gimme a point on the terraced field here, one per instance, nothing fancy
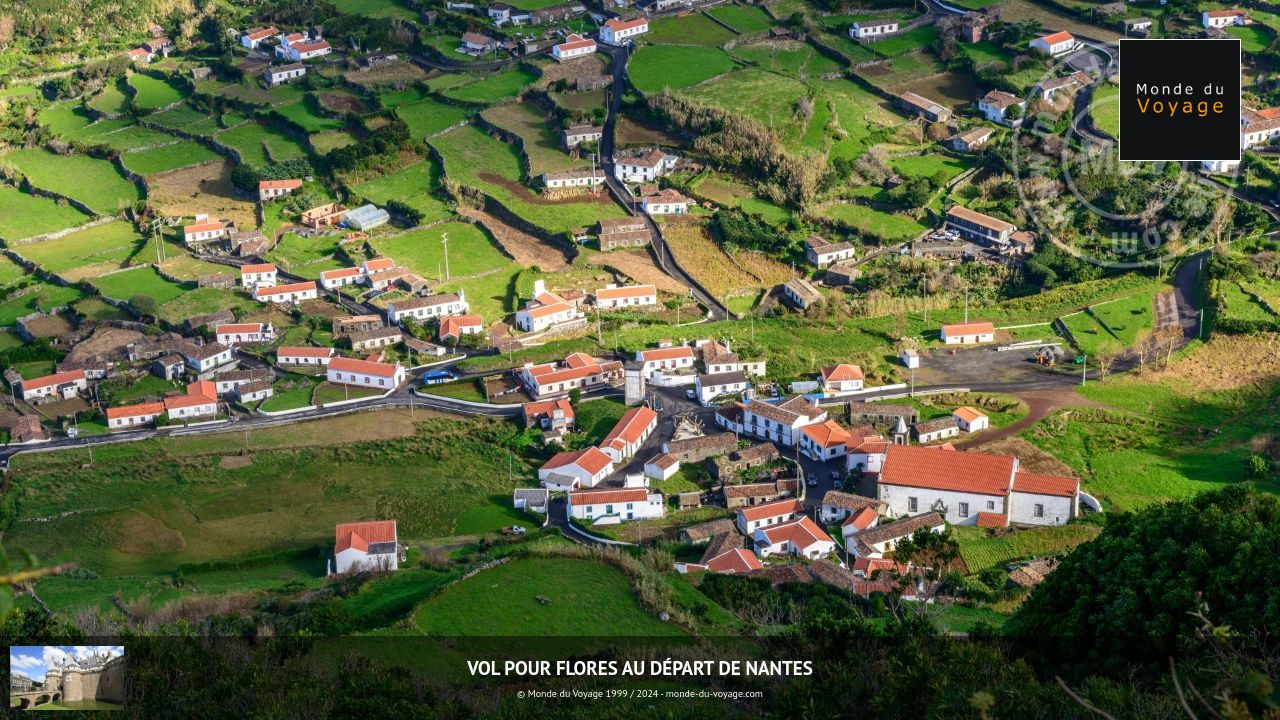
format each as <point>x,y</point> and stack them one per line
<point>96,183</point>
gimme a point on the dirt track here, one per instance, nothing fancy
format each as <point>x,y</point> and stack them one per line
<point>527,250</point>
<point>1041,404</point>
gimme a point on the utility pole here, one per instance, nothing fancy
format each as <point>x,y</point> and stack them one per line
<point>444,240</point>
<point>966,305</point>
<point>1084,369</point>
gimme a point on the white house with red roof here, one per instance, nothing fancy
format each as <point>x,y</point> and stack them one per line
<point>619,32</point>
<point>334,279</point>
<point>291,293</point>
<point>456,326</point>
<point>736,560</point>
<point>300,46</point>
<point>365,546</point>
<point>969,488</point>
<point>1055,43</point>
<point>256,275</point>
<point>881,538</point>
<point>574,46</point>
<point>545,310</point>
<point>969,333</point>
<point>749,519</point>
<point>555,414</point>
<point>864,452</point>
<point>665,202</point>
<point>303,356</point>
<point>243,333</point>
<point>838,506</point>
<point>636,425</point>
<point>610,506</point>
<point>662,466</point>
<point>571,470</point>
<point>824,441</point>
<point>578,371</point>
<point>800,537</point>
<point>364,373</point>
<point>645,167</point>
<point>1224,18</point>
<point>614,297</point>
<point>60,386</point>
<point>841,378</point>
<point>664,359</point>
<point>253,36</point>
<point>206,230</point>
<point>140,54</point>
<point>272,189</point>
<point>127,416</point>
<point>971,419</point>
<point>201,400</point>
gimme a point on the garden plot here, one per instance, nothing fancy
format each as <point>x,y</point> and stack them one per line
<point>988,56</point>
<point>187,119</point>
<point>129,137</point>
<point>167,157</point>
<point>142,280</point>
<point>949,88</point>
<point>745,19</point>
<point>726,192</point>
<point>307,256</point>
<point>672,67</point>
<point>306,115</point>
<point>722,274</point>
<point>474,159</point>
<point>151,93</point>
<point>111,100</point>
<point>24,216</point>
<point>493,88</point>
<point>581,102</point>
<point>326,142</point>
<point>94,182</point>
<point>202,189</point>
<point>85,253</point>
<point>259,145</point>
<point>45,298</point>
<point>430,116</point>
<point>541,140</point>
<point>65,119</point>
<point>416,185</point>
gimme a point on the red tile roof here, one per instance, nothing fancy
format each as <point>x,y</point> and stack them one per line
<point>279,184</point>
<point>1026,482</point>
<point>617,25</point>
<point>841,373</point>
<point>626,291</point>
<point>826,434</point>
<point>203,227</point>
<point>545,407</point>
<point>364,367</point>
<point>360,535</point>
<point>773,509</point>
<point>284,289</point>
<point>453,324</point>
<point>992,520</point>
<point>602,497</point>
<point>973,328</point>
<point>968,414</point>
<point>978,218</point>
<point>575,42</point>
<point>239,328</point>
<point>54,379</point>
<point>379,263</point>
<point>258,268</point>
<point>672,353</point>
<point>341,273</point>
<point>124,411</point>
<point>734,561</point>
<point>937,469</point>
<point>861,519</point>
<point>632,425</point>
<point>593,460</point>
<point>801,532</point>
<point>304,352</point>
<point>1061,36</point>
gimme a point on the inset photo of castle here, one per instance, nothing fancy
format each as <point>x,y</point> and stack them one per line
<point>66,677</point>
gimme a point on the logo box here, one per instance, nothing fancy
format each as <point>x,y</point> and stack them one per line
<point>1161,77</point>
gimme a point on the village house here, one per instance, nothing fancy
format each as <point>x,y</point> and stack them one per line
<point>579,371</point>
<point>842,378</point>
<point>969,488</point>
<point>280,74</point>
<point>545,310</point>
<point>534,500</point>
<point>573,178</point>
<point>696,449</point>
<point>995,107</point>
<point>334,279</point>
<point>304,356</point>
<point>614,297</point>
<point>576,135</point>
<point>880,413</point>
<point>383,279</point>
<point>291,293</point>
<point>841,276</point>
<point>734,465</point>
<point>780,422</point>
<point>58,386</point>
<point>1048,89</point>
<point>258,275</point>
<point>201,400</point>
<point>572,470</point>
<point>1224,18</point>
<point>875,541</point>
<point>864,451</point>
<point>421,308</point>
<point>824,441</point>
<point>664,359</point>
<point>873,29</point>
<point>254,391</point>
<point>749,519</point>
<point>375,338</point>
<point>662,466</point>
<point>935,430</point>
<point>619,32</point>
<point>365,373</point>
<point>272,189</point>
<point>756,494</point>
<point>1055,44</point>
<point>800,537</point>
<point>665,202</point>
<point>645,167</point>
<point>839,506</point>
<point>1257,127</point>
<point>322,216</point>
<point>801,293</point>
<point>140,55</point>
<point>708,387</point>
<point>1138,25</point>
<point>971,139</point>
<point>366,547</point>
<point>549,415</point>
<point>971,419</point>
<point>226,383</point>
<point>499,13</point>
<point>732,561</point>
<point>924,107</point>
<point>574,46</point>
<point>821,253</point>
<point>455,327</point>
<point>629,434</point>
<point>242,333</point>
<point>201,359</point>
<point>623,232</point>
<point>354,323</point>
<point>910,358</point>
<point>973,27</point>
<point>127,416</point>
<point>977,226</point>
<point>968,333</point>
<point>474,43</point>
<point>169,367</point>
<point>205,230</point>
<point>252,37</point>
<point>611,506</point>
<point>298,47</point>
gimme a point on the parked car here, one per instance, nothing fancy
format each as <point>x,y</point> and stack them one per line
<point>813,481</point>
<point>691,394</point>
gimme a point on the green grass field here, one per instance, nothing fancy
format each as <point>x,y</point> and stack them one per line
<point>415,185</point>
<point>65,118</point>
<point>294,251</point>
<point>152,93</point>
<point>773,103</point>
<point>903,42</point>
<point>306,115</point>
<point>96,183</point>
<point>130,137</point>
<point>1105,109</point>
<point>325,142</point>
<point>655,67</point>
<point>981,549</point>
<point>45,299</point>
<point>724,191</point>
<point>1127,318</point>
<point>200,301</point>
<point>928,165</point>
<point>430,116</point>
<point>186,118</point>
<point>470,250</point>
<point>857,112</point>
<point>392,99</point>
<point>690,30</point>
<point>111,100</point>
<point>504,601</point>
<point>541,140</point>
<point>167,157</point>
<point>378,9</point>
<point>789,57</point>
<point>23,215</point>
<point>882,225</point>
<point>1253,38</point>
<point>260,145</point>
<point>745,19</point>
<point>493,88</point>
<point>473,158</point>
<point>109,245</point>
<point>143,280</point>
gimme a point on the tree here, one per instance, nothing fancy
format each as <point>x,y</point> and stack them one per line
<point>143,304</point>
<point>1124,600</point>
<point>575,397</point>
<point>929,556</point>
